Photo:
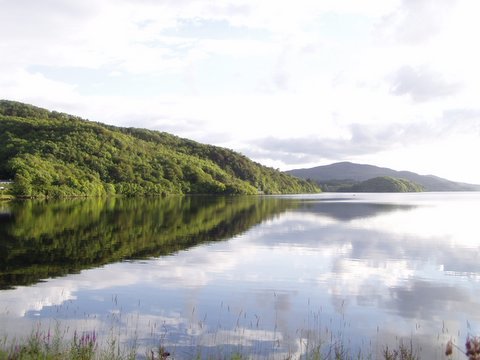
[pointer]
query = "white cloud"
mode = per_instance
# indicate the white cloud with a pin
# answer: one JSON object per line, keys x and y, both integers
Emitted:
{"x": 19, "y": 84}
{"x": 421, "y": 84}
{"x": 416, "y": 21}
{"x": 330, "y": 72}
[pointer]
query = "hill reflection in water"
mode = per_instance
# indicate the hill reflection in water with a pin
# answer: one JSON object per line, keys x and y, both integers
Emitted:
{"x": 41, "y": 239}
{"x": 261, "y": 274}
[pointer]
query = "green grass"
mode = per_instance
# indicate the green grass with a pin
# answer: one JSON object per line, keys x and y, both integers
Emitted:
{"x": 48, "y": 346}
{"x": 53, "y": 345}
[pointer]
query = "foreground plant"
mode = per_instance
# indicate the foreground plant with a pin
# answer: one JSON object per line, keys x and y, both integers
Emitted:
{"x": 57, "y": 345}
{"x": 83, "y": 347}
{"x": 472, "y": 348}
{"x": 160, "y": 354}
{"x": 48, "y": 346}
{"x": 403, "y": 352}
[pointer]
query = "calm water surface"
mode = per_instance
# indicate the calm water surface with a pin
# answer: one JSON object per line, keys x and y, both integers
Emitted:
{"x": 268, "y": 276}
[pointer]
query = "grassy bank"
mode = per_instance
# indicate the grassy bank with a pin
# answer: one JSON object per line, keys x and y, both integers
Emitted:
{"x": 87, "y": 345}
{"x": 54, "y": 345}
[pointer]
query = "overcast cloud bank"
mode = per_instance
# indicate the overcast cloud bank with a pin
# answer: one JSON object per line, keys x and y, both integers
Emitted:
{"x": 289, "y": 84}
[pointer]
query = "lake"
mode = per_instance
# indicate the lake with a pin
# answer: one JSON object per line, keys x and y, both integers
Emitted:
{"x": 269, "y": 276}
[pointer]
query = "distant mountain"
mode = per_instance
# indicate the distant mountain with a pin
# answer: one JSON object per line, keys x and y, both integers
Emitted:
{"x": 52, "y": 154}
{"x": 336, "y": 175}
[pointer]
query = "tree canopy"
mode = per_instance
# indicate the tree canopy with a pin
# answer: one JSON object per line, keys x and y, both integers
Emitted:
{"x": 386, "y": 184}
{"x": 53, "y": 154}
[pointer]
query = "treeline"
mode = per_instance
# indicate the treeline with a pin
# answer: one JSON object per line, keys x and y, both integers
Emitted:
{"x": 52, "y": 154}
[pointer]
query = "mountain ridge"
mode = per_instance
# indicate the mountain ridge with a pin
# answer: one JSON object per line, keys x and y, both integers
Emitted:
{"x": 350, "y": 173}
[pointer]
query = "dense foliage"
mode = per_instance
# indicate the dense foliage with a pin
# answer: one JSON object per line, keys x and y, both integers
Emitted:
{"x": 385, "y": 184}
{"x": 52, "y": 154}
{"x": 41, "y": 239}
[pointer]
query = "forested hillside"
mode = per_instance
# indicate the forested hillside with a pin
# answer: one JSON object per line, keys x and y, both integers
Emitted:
{"x": 52, "y": 154}
{"x": 385, "y": 184}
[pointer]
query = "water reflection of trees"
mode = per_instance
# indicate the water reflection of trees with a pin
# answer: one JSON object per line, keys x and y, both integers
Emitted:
{"x": 47, "y": 239}
{"x": 42, "y": 239}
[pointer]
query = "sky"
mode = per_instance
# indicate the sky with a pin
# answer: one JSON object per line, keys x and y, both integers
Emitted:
{"x": 290, "y": 84}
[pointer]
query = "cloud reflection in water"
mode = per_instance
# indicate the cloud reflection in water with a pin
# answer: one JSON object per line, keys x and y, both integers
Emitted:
{"x": 369, "y": 270}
